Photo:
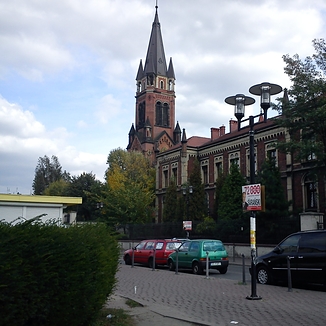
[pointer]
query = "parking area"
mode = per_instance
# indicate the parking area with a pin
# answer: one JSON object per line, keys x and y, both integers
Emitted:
{"x": 217, "y": 301}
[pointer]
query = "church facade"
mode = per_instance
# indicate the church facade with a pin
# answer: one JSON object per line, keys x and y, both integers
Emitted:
{"x": 157, "y": 135}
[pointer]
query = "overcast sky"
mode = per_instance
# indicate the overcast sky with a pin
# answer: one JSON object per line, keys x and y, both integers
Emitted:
{"x": 68, "y": 68}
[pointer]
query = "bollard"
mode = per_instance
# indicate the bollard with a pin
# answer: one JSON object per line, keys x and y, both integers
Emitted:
{"x": 234, "y": 252}
{"x": 243, "y": 270}
{"x": 133, "y": 257}
{"x": 154, "y": 254}
{"x": 207, "y": 265}
{"x": 289, "y": 274}
{"x": 176, "y": 261}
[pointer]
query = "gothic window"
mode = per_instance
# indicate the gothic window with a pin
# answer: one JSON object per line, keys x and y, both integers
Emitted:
{"x": 218, "y": 167}
{"x": 175, "y": 175}
{"x": 234, "y": 158}
{"x": 141, "y": 114}
{"x": 165, "y": 179}
{"x": 272, "y": 155}
{"x": 205, "y": 174}
{"x": 162, "y": 114}
{"x": 310, "y": 193}
{"x": 218, "y": 171}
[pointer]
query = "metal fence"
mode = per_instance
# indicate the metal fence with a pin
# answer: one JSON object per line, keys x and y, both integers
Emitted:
{"x": 232, "y": 231}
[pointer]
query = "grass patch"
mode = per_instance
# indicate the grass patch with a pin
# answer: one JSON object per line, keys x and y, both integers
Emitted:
{"x": 119, "y": 317}
{"x": 132, "y": 303}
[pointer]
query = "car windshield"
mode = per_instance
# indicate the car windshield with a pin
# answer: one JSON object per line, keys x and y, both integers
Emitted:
{"x": 213, "y": 246}
{"x": 172, "y": 245}
{"x": 185, "y": 246}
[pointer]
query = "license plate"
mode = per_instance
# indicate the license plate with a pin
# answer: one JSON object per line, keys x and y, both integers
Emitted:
{"x": 216, "y": 264}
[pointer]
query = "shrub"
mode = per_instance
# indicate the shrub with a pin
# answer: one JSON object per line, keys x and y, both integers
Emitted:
{"x": 51, "y": 275}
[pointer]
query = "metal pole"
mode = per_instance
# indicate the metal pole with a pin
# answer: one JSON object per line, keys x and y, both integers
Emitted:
{"x": 133, "y": 257}
{"x": 253, "y": 295}
{"x": 289, "y": 274}
{"x": 177, "y": 261}
{"x": 207, "y": 265}
{"x": 243, "y": 270}
{"x": 154, "y": 254}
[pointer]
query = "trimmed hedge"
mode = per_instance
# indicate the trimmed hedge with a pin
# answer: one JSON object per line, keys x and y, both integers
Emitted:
{"x": 52, "y": 275}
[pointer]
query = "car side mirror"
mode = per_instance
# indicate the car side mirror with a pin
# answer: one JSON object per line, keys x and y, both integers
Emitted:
{"x": 278, "y": 250}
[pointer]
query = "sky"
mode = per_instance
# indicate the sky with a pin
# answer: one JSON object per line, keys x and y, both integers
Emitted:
{"x": 68, "y": 69}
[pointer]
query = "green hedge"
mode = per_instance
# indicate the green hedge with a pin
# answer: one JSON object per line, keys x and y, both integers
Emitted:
{"x": 52, "y": 275}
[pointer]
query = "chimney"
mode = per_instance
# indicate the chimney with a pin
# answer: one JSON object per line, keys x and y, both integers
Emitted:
{"x": 215, "y": 133}
{"x": 261, "y": 118}
{"x": 222, "y": 130}
{"x": 233, "y": 125}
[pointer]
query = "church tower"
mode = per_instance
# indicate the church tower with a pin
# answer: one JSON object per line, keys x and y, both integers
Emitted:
{"x": 154, "y": 129}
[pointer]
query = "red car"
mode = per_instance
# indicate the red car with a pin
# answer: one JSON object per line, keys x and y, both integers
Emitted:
{"x": 145, "y": 250}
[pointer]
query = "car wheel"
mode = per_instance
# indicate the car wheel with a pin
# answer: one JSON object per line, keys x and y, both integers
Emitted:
{"x": 196, "y": 269}
{"x": 127, "y": 260}
{"x": 223, "y": 270}
{"x": 263, "y": 275}
{"x": 171, "y": 265}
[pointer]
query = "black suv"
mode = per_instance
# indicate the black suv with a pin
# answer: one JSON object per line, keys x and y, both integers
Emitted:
{"x": 306, "y": 252}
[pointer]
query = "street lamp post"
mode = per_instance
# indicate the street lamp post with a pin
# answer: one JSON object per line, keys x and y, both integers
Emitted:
{"x": 187, "y": 192}
{"x": 264, "y": 90}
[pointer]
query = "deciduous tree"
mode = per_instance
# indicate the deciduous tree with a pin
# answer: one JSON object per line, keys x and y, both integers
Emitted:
{"x": 130, "y": 182}
{"x": 47, "y": 171}
{"x": 304, "y": 112}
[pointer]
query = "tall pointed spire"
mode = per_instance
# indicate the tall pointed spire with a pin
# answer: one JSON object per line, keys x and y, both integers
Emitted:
{"x": 155, "y": 60}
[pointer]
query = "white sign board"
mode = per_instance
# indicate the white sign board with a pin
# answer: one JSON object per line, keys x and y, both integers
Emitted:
{"x": 251, "y": 197}
{"x": 187, "y": 225}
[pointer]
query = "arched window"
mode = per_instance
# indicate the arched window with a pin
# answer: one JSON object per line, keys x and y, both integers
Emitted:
{"x": 162, "y": 84}
{"x": 170, "y": 85}
{"x": 162, "y": 112}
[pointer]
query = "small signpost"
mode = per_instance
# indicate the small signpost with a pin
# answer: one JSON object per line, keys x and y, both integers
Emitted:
{"x": 187, "y": 226}
{"x": 251, "y": 197}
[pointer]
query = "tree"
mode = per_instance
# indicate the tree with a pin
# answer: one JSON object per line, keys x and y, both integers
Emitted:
{"x": 230, "y": 204}
{"x": 47, "y": 171}
{"x": 171, "y": 204}
{"x": 276, "y": 205}
{"x": 88, "y": 187}
{"x": 57, "y": 188}
{"x": 304, "y": 112}
{"x": 198, "y": 208}
{"x": 219, "y": 186}
{"x": 275, "y": 202}
{"x": 130, "y": 187}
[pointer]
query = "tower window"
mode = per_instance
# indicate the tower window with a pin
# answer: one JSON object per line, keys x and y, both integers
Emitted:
{"x": 162, "y": 84}
{"x": 170, "y": 85}
{"x": 141, "y": 114}
{"x": 162, "y": 114}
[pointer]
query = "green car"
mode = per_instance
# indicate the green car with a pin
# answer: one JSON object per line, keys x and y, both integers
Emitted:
{"x": 192, "y": 254}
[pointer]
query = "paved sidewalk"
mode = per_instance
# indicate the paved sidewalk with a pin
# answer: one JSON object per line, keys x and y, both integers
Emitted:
{"x": 216, "y": 301}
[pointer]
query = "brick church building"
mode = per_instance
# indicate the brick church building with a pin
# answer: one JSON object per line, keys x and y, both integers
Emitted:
{"x": 157, "y": 135}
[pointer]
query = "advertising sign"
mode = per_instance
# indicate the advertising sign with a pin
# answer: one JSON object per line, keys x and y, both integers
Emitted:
{"x": 251, "y": 197}
{"x": 187, "y": 225}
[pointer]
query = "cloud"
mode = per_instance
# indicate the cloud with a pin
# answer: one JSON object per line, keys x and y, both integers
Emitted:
{"x": 67, "y": 70}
